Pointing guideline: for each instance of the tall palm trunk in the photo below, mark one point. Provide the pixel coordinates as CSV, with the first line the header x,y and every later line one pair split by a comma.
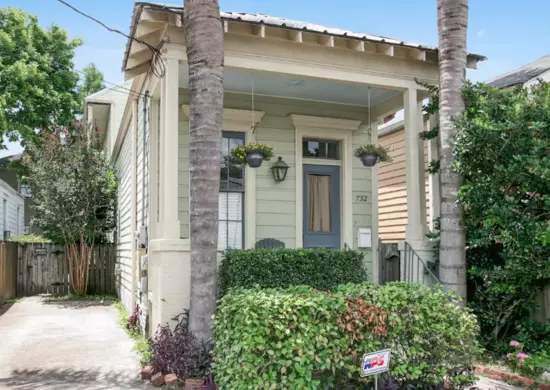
x,y
452,25
204,36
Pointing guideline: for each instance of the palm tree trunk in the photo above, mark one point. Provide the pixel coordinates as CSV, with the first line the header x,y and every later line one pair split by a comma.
x,y
452,24
204,36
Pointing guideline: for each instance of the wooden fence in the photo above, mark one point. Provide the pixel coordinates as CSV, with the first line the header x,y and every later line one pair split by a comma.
x,y
32,269
8,270
389,262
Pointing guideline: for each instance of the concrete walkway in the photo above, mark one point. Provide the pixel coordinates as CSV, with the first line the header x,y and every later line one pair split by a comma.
x,y
65,345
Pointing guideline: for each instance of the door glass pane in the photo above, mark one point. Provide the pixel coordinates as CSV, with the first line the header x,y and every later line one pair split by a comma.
x,y
310,149
314,148
319,200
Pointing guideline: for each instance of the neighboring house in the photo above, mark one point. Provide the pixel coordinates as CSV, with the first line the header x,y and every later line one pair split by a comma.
x,y
392,184
313,93
12,211
526,75
16,212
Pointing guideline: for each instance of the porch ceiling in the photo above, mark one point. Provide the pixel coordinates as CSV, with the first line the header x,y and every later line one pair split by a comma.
x,y
281,85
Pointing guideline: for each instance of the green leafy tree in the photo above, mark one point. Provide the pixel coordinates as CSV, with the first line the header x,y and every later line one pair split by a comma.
x,y
503,152
38,86
91,82
74,194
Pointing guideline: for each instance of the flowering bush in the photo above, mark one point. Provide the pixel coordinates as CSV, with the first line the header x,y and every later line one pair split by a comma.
x,y
527,365
239,152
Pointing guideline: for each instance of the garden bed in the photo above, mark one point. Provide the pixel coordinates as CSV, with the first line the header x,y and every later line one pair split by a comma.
x,y
511,378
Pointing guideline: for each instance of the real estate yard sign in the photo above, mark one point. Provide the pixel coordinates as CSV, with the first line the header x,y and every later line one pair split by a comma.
x,y
376,362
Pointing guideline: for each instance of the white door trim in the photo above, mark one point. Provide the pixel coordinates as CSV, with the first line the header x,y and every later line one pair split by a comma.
x,y
334,129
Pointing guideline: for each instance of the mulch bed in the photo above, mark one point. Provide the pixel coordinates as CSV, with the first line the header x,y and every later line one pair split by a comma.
x,y
514,379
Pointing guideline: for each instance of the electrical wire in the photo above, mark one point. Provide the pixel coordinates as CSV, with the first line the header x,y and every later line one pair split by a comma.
x,y
115,87
118,87
157,64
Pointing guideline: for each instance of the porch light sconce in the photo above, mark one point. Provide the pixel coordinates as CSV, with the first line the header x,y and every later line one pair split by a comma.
x,y
279,170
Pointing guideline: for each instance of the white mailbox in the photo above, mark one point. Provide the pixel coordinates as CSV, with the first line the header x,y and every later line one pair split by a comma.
x,y
364,238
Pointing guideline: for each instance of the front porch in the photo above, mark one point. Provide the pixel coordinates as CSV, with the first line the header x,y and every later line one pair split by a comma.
x,y
294,115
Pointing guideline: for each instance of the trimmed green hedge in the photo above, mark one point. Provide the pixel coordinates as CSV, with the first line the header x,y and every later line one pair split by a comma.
x,y
301,338
322,269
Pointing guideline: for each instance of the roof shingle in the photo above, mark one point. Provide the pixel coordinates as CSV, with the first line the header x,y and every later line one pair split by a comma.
x,y
521,75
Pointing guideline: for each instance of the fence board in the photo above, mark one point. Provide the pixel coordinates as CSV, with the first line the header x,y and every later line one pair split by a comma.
x,y
8,270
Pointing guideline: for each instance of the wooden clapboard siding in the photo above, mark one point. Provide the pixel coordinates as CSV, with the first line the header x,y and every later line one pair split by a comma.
x,y
142,169
276,202
124,218
392,188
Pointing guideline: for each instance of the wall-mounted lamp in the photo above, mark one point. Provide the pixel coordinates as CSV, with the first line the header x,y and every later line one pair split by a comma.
x,y
279,170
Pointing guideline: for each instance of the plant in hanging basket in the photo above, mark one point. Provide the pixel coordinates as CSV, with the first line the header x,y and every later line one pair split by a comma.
x,y
252,154
370,154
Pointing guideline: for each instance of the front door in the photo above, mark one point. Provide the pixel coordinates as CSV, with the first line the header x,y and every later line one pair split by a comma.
x,y
321,206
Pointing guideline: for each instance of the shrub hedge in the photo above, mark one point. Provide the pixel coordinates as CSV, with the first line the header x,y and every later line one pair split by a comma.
x,y
322,269
301,338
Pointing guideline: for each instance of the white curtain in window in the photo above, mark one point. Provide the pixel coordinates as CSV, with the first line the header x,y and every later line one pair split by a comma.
x,y
319,203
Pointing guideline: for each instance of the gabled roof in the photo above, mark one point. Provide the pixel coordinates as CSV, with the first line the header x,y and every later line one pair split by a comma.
x,y
522,75
289,24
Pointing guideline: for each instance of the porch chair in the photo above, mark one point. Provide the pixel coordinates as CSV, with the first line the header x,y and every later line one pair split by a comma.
x,y
269,243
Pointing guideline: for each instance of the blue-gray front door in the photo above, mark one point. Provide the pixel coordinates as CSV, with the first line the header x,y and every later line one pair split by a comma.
x,y
321,206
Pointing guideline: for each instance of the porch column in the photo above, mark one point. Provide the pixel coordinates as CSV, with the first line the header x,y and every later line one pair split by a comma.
x,y
169,255
168,190
414,160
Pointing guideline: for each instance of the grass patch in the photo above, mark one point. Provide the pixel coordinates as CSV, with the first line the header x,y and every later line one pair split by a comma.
x,y
75,297
142,347
4,306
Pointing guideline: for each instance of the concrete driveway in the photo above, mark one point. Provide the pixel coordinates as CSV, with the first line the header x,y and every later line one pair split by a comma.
x,y
65,345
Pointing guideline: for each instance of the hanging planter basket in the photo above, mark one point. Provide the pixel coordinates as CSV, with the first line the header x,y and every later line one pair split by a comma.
x,y
369,159
252,154
254,159
370,154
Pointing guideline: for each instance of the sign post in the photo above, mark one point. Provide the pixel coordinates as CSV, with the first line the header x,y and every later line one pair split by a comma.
x,y
376,363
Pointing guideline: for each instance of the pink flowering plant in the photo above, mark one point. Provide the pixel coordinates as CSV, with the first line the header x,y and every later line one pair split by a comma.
x,y
531,366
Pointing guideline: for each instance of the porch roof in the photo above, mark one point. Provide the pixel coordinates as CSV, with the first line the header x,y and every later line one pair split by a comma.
x,y
288,24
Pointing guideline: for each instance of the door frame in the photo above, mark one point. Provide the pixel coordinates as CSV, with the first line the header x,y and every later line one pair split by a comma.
x,y
333,171
333,129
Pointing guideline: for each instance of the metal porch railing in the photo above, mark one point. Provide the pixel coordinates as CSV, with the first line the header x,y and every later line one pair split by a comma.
x,y
415,270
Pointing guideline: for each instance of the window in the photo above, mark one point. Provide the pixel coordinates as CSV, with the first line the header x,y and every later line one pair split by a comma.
x,y
231,198
25,191
316,148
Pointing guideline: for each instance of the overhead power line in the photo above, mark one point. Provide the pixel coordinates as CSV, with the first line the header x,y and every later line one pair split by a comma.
x,y
157,65
118,87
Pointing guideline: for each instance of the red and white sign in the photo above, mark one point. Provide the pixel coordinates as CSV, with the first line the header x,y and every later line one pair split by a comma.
x,y
376,362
